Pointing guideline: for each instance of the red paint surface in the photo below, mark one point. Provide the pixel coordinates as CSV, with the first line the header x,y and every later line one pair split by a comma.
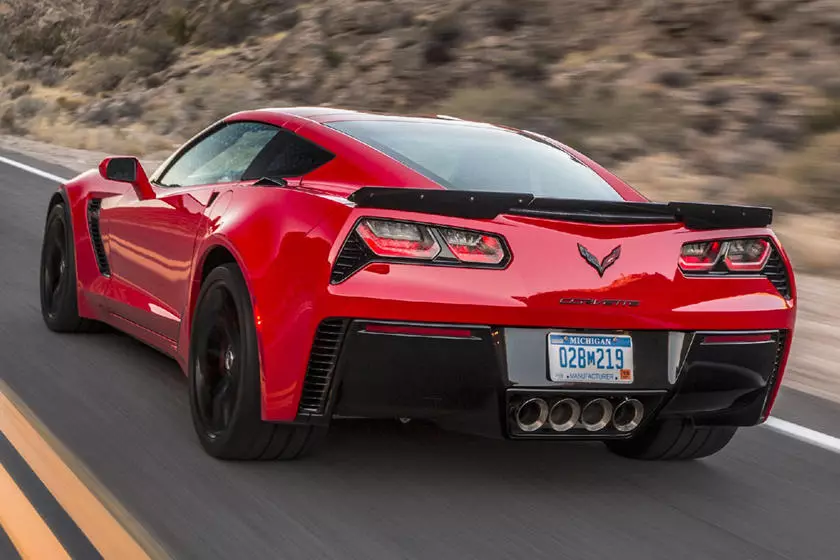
x,y
285,241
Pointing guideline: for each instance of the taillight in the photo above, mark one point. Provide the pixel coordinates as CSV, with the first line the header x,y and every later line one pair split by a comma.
x,y
700,256
398,239
748,255
409,240
733,255
473,247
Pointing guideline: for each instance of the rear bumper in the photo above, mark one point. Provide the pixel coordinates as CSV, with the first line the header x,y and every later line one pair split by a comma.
x,y
473,377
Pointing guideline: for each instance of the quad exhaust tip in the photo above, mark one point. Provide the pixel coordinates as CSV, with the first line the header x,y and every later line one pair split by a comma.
x,y
564,415
531,415
596,414
628,415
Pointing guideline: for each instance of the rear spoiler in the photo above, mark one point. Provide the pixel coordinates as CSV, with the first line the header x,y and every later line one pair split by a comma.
x,y
488,205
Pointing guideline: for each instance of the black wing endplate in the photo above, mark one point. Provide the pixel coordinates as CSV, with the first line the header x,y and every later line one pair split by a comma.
x,y
488,205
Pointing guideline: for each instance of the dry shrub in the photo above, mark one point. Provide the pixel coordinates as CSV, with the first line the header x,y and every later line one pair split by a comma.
x,y
825,117
502,102
811,241
153,53
28,106
574,117
224,24
100,74
806,180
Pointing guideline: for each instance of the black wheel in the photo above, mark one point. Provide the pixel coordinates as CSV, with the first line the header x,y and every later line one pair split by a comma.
x,y
225,378
675,439
59,306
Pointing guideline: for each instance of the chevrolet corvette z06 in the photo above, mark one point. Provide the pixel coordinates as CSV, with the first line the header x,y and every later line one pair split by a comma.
x,y
308,264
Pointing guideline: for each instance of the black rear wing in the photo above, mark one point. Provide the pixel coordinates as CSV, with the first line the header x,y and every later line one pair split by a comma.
x,y
488,205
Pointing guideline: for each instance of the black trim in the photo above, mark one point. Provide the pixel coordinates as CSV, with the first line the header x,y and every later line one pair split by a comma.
x,y
353,256
459,204
322,361
94,206
776,271
57,519
488,205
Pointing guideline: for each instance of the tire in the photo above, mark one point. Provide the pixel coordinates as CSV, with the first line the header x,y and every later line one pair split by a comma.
x,y
674,440
224,378
57,283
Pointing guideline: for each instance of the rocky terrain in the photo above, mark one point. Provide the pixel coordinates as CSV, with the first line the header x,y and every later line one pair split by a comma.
x,y
727,100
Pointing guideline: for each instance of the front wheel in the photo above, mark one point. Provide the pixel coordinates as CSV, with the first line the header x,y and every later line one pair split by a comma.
x,y
57,282
224,378
673,439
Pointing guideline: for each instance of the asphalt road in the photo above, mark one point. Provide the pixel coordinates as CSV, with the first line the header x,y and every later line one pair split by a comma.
x,y
382,491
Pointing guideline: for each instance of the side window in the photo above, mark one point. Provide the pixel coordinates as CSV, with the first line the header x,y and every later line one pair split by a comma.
x,y
287,155
221,157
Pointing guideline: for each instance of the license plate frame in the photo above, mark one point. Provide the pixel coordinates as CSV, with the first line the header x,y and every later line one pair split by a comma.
x,y
575,357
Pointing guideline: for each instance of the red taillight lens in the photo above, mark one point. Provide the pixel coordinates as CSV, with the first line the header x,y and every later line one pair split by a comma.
x,y
398,239
747,255
700,256
474,247
739,255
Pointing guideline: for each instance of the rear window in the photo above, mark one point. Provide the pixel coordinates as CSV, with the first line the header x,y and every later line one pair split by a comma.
x,y
476,158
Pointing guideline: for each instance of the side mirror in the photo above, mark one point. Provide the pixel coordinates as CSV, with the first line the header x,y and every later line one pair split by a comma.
x,y
127,170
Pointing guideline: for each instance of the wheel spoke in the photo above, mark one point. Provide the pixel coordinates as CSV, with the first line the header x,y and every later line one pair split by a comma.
x,y
217,358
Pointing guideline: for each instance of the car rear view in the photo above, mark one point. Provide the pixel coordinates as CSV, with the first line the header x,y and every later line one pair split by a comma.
x,y
535,298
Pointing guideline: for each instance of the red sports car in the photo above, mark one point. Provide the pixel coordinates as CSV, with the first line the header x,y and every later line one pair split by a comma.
x,y
308,264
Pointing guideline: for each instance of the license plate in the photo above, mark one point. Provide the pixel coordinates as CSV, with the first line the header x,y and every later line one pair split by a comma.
x,y
590,358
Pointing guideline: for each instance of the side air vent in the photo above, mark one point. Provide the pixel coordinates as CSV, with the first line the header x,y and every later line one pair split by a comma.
x,y
777,273
353,256
96,236
322,360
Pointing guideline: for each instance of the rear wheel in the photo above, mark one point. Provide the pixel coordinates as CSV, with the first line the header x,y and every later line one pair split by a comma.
x,y
59,304
225,378
676,439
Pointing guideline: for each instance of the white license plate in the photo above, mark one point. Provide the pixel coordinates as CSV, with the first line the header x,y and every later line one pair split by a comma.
x,y
590,358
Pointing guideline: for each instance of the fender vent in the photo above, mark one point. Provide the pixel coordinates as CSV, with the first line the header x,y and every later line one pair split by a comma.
x,y
96,236
777,273
322,360
353,256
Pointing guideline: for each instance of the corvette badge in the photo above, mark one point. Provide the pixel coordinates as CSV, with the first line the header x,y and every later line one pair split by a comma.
x,y
600,266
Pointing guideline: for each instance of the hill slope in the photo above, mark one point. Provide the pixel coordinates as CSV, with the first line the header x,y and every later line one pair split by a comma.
x,y
725,99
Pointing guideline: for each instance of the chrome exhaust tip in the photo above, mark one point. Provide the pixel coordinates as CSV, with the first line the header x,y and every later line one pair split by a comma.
x,y
531,415
596,414
628,415
564,414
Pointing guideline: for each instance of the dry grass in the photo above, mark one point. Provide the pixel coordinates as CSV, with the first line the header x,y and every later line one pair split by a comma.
x,y
133,140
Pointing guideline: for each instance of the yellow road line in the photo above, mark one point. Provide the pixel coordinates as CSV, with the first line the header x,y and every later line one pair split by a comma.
x,y
26,529
108,526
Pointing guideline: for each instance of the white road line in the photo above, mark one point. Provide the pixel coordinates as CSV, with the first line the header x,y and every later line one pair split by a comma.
x,y
33,170
804,434
790,429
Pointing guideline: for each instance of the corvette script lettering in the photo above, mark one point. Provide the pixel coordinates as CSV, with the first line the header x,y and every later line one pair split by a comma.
x,y
611,302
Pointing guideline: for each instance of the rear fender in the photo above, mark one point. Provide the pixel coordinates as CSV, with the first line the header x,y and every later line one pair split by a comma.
x,y
274,237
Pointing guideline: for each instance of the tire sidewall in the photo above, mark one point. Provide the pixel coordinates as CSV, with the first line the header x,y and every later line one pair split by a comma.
x,y
246,416
67,309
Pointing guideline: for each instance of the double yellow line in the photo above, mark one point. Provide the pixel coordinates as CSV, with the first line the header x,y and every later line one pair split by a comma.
x,y
103,521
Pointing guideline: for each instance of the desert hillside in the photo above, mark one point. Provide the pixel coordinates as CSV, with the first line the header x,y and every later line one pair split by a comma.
x,y
729,100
